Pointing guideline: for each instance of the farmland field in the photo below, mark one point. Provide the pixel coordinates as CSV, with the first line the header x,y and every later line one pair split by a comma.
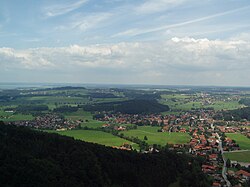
x,y
229,105
154,137
96,137
239,156
80,114
183,102
57,99
86,117
240,139
5,116
92,124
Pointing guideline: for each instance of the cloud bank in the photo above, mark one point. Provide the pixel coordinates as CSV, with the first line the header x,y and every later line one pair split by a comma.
x,y
175,61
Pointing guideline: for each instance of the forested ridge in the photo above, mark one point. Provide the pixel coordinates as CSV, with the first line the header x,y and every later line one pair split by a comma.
x,y
129,107
34,158
235,115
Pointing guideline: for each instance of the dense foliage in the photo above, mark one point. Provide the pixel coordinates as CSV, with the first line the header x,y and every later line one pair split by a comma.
x,y
235,115
102,95
142,95
32,158
65,109
245,101
129,107
31,108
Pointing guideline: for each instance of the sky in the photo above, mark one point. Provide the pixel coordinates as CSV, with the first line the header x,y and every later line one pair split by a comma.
x,y
162,42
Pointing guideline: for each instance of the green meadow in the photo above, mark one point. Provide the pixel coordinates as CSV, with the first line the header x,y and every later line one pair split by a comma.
x,y
154,137
239,156
226,105
240,139
87,117
7,117
99,137
182,102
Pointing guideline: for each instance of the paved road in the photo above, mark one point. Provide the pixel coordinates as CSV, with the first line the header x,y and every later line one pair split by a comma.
x,y
224,169
170,130
237,151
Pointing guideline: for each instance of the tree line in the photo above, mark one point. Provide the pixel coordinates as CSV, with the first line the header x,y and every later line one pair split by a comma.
x,y
129,107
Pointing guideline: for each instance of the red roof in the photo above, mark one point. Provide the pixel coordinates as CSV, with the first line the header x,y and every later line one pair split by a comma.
x,y
215,184
242,172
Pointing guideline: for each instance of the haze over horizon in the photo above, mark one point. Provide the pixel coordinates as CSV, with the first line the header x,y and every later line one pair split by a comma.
x,y
163,42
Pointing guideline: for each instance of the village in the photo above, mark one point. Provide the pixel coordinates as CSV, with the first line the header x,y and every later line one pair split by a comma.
x,y
49,122
207,141
207,137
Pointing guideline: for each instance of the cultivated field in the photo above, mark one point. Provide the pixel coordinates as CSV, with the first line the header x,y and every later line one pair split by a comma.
x,y
6,116
154,137
240,139
86,117
99,137
184,102
239,156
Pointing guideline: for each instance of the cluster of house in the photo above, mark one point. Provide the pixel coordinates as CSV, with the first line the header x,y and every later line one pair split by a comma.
x,y
188,118
241,176
205,143
238,127
115,127
205,140
49,121
230,145
210,99
125,146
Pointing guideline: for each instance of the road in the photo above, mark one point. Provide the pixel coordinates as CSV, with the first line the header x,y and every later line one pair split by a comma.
x,y
237,151
224,169
170,130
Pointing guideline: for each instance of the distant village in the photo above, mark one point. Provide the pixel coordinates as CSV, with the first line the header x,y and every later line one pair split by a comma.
x,y
49,122
207,139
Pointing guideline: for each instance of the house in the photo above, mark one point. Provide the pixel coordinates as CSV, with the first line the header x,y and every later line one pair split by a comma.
x,y
105,125
244,174
213,157
216,184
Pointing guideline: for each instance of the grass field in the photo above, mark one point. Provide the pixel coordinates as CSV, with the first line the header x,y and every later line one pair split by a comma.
x,y
228,105
5,116
106,100
83,115
182,102
79,115
57,99
175,96
93,124
239,156
96,137
242,140
154,137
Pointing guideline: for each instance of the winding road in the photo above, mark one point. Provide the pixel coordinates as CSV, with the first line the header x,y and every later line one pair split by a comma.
x,y
224,169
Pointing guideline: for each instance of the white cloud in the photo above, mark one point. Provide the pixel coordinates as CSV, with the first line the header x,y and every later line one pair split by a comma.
x,y
152,61
84,23
153,6
140,31
60,9
29,59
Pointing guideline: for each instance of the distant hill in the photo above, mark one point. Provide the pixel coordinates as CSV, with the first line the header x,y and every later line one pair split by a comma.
x,y
64,88
32,158
102,95
129,107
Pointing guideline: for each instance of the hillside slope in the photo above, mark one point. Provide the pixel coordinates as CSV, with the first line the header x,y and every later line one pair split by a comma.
x,y
129,107
32,158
